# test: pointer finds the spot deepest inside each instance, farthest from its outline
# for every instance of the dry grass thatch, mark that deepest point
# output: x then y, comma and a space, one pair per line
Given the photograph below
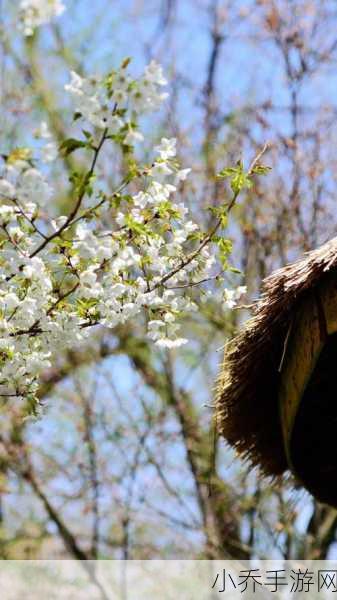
247, 391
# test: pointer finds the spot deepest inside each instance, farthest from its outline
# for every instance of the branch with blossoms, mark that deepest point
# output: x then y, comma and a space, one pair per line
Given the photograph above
118, 255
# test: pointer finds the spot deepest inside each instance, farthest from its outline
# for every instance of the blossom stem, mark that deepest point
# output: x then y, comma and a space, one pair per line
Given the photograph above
77, 206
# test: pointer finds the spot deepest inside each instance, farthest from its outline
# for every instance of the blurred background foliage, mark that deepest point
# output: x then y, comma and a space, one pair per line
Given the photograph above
124, 462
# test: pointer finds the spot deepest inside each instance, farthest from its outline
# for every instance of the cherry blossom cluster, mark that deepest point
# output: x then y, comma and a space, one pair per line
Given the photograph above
132, 252
95, 98
34, 13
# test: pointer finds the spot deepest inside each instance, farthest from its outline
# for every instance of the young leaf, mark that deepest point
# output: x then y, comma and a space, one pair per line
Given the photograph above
70, 145
261, 170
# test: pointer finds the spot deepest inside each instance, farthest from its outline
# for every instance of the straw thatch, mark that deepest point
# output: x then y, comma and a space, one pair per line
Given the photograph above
247, 409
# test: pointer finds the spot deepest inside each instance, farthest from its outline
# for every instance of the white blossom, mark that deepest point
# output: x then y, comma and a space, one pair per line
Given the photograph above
97, 102
154, 74
133, 137
181, 175
6, 189
163, 333
232, 296
167, 148
33, 187
34, 13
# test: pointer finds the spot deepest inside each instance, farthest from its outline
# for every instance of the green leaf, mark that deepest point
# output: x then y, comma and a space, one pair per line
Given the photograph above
239, 181
225, 245
226, 172
70, 145
87, 134
126, 62
261, 170
238, 178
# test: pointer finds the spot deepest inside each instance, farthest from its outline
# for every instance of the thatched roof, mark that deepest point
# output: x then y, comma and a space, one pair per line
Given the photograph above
247, 408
